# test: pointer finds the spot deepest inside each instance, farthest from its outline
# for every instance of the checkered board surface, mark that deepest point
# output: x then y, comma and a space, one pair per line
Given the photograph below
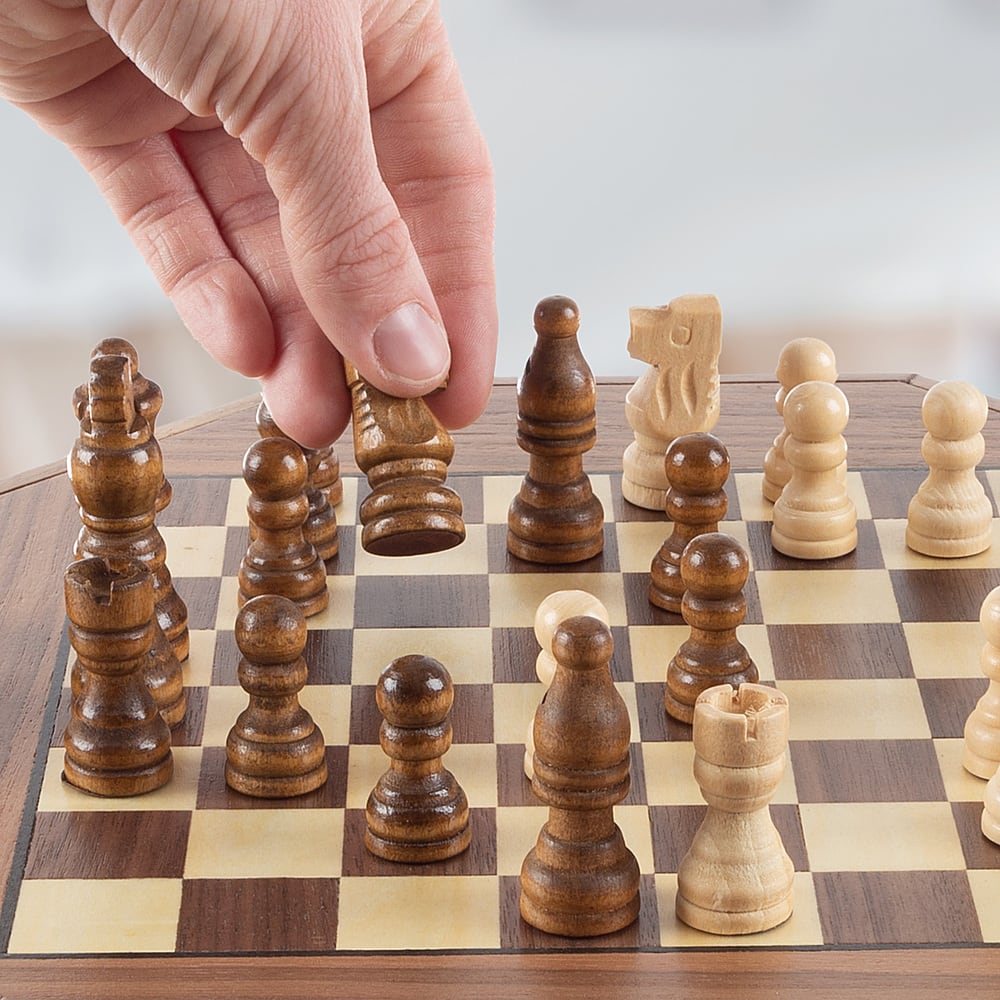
877, 652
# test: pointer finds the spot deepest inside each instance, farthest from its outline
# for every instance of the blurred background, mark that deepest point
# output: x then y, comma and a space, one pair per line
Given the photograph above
825, 168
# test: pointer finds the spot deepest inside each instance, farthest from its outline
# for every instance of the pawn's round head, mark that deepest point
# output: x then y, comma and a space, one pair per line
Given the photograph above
582, 643
563, 604
270, 629
414, 691
806, 359
274, 468
714, 565
952, 411
816, 411
697, 464
557, 316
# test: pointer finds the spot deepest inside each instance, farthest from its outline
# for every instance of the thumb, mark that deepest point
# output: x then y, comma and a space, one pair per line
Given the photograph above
289, 81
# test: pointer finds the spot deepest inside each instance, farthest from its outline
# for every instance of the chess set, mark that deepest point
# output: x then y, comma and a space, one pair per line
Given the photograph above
877, 652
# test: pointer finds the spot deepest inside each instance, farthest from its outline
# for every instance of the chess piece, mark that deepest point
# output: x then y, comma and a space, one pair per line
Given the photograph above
991, 809
404, 451
981, 752
555, 518
678, 394
320, 528
580, 879
274, 750
697, 466
116, 742
146, 396
805, 359
326, 476
950, 516
417, 812
552, 611
278, 559
714, 569
736, 878
116, 470
814, 518
161, 672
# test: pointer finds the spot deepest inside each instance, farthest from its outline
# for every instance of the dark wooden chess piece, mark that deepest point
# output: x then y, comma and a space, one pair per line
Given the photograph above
320, 528
116, 470
146, 396
417, 812
580, 880
278, 559
714, 568
162, 673
404, 451
274, 750
326, 475
697, 467
116, 741
555, 518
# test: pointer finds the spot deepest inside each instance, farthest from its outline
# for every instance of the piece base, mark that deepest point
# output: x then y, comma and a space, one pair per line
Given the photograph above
948, 548
119, 784
722, 922
380, 541
418, 854
579, 925
284, 787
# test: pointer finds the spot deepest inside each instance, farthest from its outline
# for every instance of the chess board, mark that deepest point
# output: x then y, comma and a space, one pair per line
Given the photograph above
877, 652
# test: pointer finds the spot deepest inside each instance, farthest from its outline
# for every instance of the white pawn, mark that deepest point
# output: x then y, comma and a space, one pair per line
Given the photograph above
991, 809
950, 515
814, 518
737, 878
981, 755
551, 613
805, 359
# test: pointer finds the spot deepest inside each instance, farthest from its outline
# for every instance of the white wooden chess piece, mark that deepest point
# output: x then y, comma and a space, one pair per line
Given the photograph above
814, 518
805, 359
991, 809
950, 516
678, 393
737, 878
981, 752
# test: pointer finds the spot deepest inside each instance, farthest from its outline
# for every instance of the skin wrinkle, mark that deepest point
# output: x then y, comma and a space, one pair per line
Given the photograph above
233, 242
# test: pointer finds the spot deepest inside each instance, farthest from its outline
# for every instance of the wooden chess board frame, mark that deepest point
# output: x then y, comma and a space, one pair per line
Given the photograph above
37, 525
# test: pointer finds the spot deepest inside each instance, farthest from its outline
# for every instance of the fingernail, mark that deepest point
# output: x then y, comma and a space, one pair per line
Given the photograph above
411, 347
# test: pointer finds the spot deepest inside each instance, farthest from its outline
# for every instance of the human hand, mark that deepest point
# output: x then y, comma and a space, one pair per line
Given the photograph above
302, 178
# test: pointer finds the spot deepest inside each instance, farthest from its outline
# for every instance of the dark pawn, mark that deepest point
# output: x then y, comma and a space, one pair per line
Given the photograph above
116, 741
320, 529
715, 569
116, 469
580, 879
326, 476
278, 559
404, 452
555, 518
274, 750
417, 811
697, 467
146, 395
